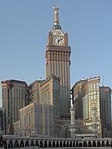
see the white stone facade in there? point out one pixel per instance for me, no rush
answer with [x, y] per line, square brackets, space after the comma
[35, 118]
[30, 119]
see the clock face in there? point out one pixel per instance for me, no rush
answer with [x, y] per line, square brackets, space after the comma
[58, 40]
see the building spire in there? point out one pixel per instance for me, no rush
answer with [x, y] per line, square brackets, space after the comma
[56, 17]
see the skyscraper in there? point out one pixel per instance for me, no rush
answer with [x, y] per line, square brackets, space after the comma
[88, 97]
[14, 97]
[105, 108]
[1, 120]
[87, 94]
[77, 99]
[34, 91]
[58, 62]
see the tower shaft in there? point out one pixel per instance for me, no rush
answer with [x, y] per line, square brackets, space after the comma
[58, 64]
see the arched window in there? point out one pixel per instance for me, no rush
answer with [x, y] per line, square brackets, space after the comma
[36, 144]
[60, 143]
[111, 144]
[70, 143]
[49, 143]
[107, 143]
[64, 144]
[5, 144]
[98, 144]
[16, 144]
[10, 145]
[89, 144]
[41, 143]
[45, 144]
[53, 143]
[21, 144]
[77, 144]
[1, 141]
[94, 144]
[74, 144]
[67, 143]
[80, 144]
[32, 143]
[85, 144]
[103, 143]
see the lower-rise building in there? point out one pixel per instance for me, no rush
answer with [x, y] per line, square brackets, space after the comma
[31, 119]
[47, 120]
[35, 119]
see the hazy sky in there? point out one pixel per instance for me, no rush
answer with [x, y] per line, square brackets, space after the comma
[24, 26]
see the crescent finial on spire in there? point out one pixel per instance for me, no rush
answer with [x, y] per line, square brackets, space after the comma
[56, 7]
[56, 17]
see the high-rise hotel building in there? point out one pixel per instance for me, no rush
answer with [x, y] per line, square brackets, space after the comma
[105, 110]
[14, 97]
[39, 115]
[58, 62]
[87, 93]
[34, 91]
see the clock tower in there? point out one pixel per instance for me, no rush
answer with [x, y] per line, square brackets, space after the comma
[58, 62]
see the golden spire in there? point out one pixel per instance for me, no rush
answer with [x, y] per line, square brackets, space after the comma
[56, 17]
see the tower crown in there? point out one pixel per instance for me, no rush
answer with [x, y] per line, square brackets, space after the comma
[56, 18]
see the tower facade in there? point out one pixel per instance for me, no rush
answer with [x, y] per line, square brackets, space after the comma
[14, 97]
[34, 91]
[1, 120]
[58, 62]
[94, 102]
[105, 111]
[86, 93]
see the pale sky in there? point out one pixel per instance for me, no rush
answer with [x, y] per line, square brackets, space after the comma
[24, 26]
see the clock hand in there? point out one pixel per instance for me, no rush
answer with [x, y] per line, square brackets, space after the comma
[59, 40]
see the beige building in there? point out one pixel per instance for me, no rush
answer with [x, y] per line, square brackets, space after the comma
[50, 94]
[1, 121]
[34, 91]
[90, 93]
[39, 115]
[31, 119]
[47, 120]
[83, 127]
[77, 98]
[105, 110]
[17, 129]
[35, 119]
[14, 97]
[58, 62]
[87, 93]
